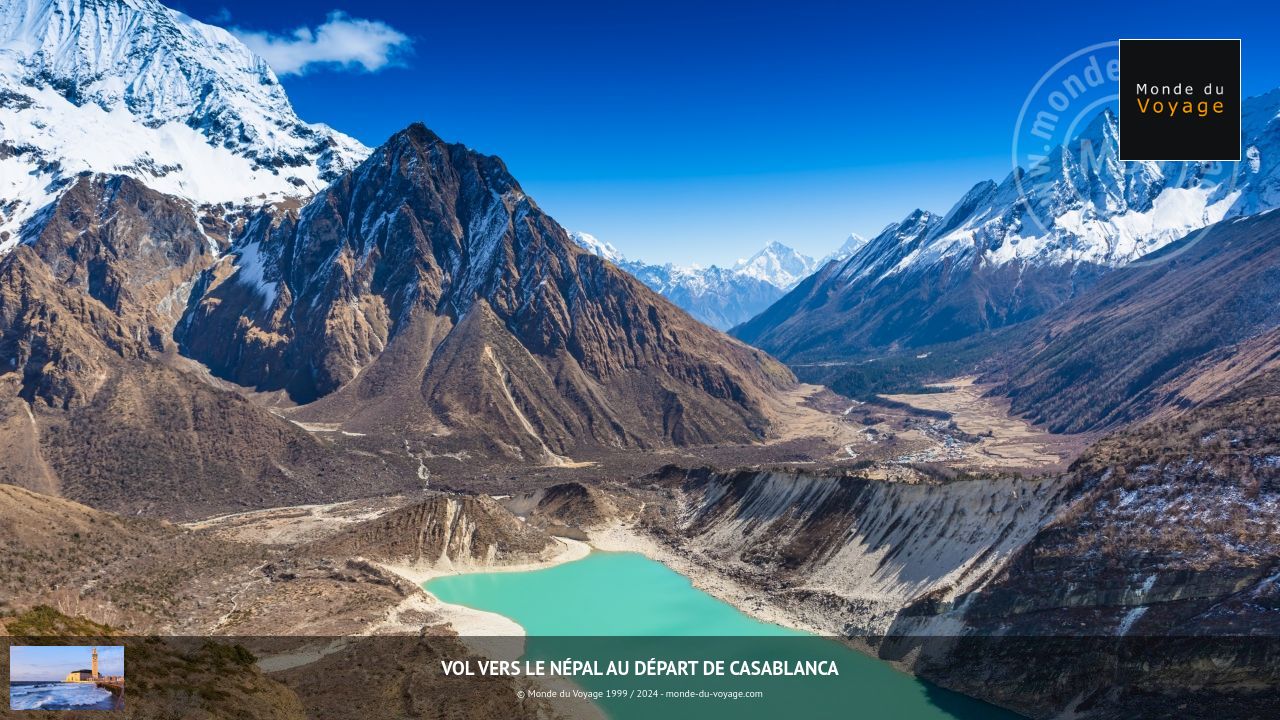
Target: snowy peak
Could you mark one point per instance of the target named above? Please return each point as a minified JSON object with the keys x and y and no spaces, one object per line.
{"x":851,"y":245}
{"x":1081,"y":204}
{"x":1010,"y":251}
{"x":132,"y":87}
{"x":778,"y":265}
{"x":131,"y":53}
{"x":162,"y":67}
{"x":726,"y":297}
{"x":775,"y":264}
{"x":719,"y":297}
{"x":598,"y":247}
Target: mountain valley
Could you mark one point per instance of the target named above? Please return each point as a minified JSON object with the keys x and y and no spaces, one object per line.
{"x":274,"y":407}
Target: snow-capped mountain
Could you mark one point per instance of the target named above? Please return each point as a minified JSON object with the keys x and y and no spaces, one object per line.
{"x":1082,"y":204}
{"x":777,"y":265}
{"x":598,"y":247}
{"x":852,"y":244}
{"x":719,"y":297}
{"x":134,"y":88}
{"x":1009,"y":251}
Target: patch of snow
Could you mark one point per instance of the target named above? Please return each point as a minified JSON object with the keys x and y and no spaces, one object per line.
{"x":598,"y":247}
{"x":1131,"y":617}
{"x":852,"y":244}
{"x":251,"y":270}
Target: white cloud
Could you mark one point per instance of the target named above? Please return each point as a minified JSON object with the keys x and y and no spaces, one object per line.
{"x":341,"y":41}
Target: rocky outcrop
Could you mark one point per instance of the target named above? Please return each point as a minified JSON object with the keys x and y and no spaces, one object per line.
{"x":98,"y":411}
{"x":572,"y":506}
{"x":102,"y":280}
{"x":1158,"y":578}
{"x":443,"y":531}
{"x":426,"y":292}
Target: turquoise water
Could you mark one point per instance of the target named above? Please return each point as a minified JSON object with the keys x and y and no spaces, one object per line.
{"x":624,"y":606}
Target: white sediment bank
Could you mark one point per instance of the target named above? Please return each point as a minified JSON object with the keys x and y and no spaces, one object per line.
{"x":469,"y":622}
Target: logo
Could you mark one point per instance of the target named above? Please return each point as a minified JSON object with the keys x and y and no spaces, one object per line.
{"x":1180,"y":100}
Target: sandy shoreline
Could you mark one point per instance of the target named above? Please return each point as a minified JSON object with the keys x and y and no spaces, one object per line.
{"x":469,"y":622}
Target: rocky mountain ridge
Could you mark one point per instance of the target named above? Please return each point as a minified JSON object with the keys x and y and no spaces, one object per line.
{"x":1177,"y":330}
{"x":429,"y":258}
{"x":1010,"y":251}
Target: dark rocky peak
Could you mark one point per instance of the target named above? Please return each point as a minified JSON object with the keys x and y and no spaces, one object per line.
{"x":127,"y":246}
{"x":101,"y":279}
{"x":388,"y":266}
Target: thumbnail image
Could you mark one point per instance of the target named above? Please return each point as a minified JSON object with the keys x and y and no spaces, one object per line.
{"x":66,"y":677}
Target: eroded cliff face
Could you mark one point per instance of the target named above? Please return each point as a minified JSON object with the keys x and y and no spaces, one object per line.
{"x":1160,"y":578}
{"x":849,"y":553}
{"x":1145,"y":581}
{"x":570,"y":508}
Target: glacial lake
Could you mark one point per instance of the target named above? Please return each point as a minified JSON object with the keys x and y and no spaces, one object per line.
{"x":624,"y":606}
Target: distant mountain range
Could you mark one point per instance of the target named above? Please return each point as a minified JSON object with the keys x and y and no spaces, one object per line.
{"x":723,"y":297}
{"x":1010,"y":251}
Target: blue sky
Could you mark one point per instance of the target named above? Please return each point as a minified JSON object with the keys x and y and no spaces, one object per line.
{"x":697,"y":132}
{"x":53,"y":662}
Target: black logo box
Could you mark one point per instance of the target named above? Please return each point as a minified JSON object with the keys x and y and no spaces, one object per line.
{"x":1186,"y":65}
